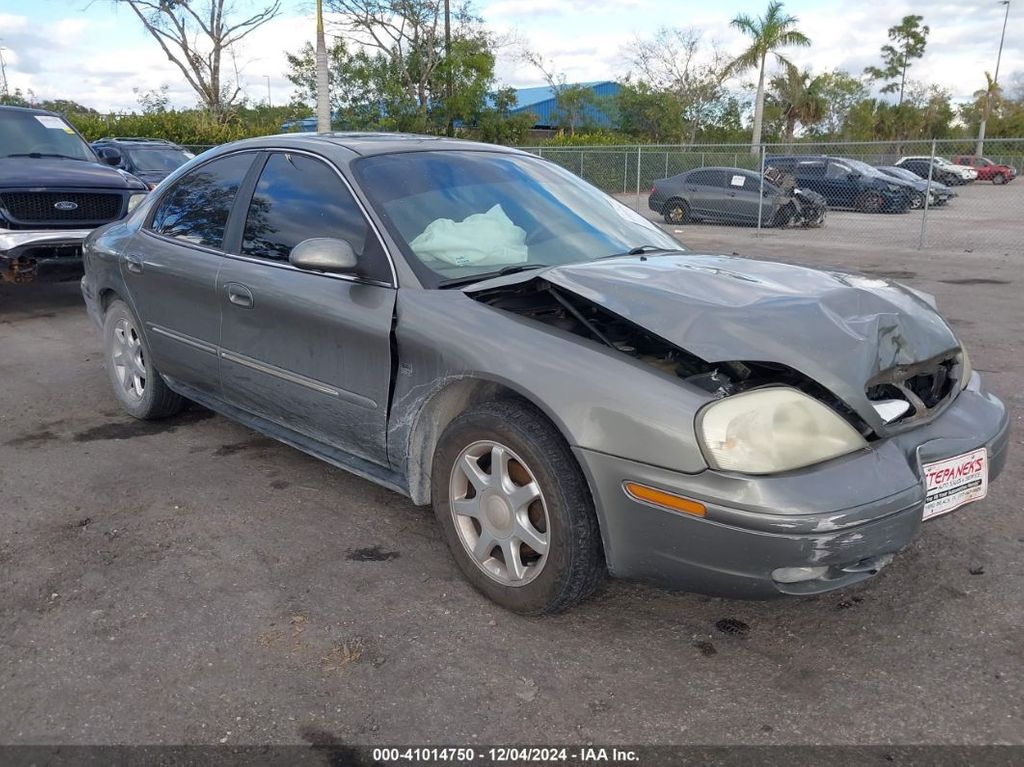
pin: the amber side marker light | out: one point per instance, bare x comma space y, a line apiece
665, 500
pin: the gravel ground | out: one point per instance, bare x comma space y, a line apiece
191, 581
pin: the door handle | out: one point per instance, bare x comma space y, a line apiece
732, 194
239, 295
134, 263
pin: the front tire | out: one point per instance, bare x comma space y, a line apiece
515, 509
136, 382
999, 179
917, 201
870, 201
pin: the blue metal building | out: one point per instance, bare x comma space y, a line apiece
540, 101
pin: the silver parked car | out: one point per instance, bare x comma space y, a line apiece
573, 392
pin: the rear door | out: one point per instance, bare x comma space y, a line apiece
308, 350
171, 265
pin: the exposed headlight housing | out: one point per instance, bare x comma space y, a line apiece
134, 199
965, 368
893, 187
771, 430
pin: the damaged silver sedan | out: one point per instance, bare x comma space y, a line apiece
574, 394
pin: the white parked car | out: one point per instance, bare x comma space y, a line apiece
943, 170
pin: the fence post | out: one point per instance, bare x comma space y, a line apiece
638, 149
760, 201
581, 163
927, 197
666, 163
625, 172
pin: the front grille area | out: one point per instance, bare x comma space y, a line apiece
925, 386
40, 207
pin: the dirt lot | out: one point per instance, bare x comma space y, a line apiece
191, 581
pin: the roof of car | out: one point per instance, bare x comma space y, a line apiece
27, 110
367, 143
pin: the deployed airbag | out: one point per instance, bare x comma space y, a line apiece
481, 239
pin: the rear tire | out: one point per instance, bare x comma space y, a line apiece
507, 489
676, 211
135, 380
870, 201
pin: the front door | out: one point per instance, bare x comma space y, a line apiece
308, 350
170, 268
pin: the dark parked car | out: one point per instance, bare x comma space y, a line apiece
941, 170
149, 159
940, 193
996, 172
732, 195
574, 393
54, 191
846, 183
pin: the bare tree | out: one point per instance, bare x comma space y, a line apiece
572, 101
198, 36
409, 32
674, 61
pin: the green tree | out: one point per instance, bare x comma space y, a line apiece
798, 97
644, 112
840, 92
909, 38
767, 35
498, 124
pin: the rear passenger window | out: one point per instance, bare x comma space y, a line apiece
707, 178
196, 208
299, 197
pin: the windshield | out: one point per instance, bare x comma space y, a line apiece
163, 160
863, 168
903, 173
25, 133
457, 214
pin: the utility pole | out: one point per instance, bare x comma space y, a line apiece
3, 73
323, 96
450, 127
269, 102
979, 150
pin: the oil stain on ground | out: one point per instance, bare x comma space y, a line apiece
34, 439
255, 443
135, 428
372, 554
976, 281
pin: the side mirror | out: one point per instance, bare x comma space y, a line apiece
324, 254
110, 155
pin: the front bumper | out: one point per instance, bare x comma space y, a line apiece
850, 514
45, 254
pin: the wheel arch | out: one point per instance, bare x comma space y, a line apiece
441, 406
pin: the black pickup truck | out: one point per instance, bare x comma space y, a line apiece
54, 190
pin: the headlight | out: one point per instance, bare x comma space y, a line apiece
892, 187
772, 430
965, 367
134, 199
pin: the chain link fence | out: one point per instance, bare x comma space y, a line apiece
884, 194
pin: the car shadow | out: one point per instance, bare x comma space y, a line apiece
38, 300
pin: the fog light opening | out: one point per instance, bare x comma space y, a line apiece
798, 574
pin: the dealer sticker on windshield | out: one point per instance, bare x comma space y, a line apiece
955, 481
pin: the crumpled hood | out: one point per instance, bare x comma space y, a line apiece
839, 329
55, 173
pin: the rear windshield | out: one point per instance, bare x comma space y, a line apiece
29, 135
159, 159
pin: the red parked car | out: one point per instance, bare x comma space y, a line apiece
987, 170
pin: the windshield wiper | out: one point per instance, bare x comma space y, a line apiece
469, 278
45, 154
641, 250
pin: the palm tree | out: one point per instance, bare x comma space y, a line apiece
768, 33
799, 97
323, 96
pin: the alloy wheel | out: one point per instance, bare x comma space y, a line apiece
128, 360
500, 513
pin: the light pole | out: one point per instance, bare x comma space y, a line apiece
3, 73
269, 103
979, 150
323, 96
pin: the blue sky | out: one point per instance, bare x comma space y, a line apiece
97, 53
